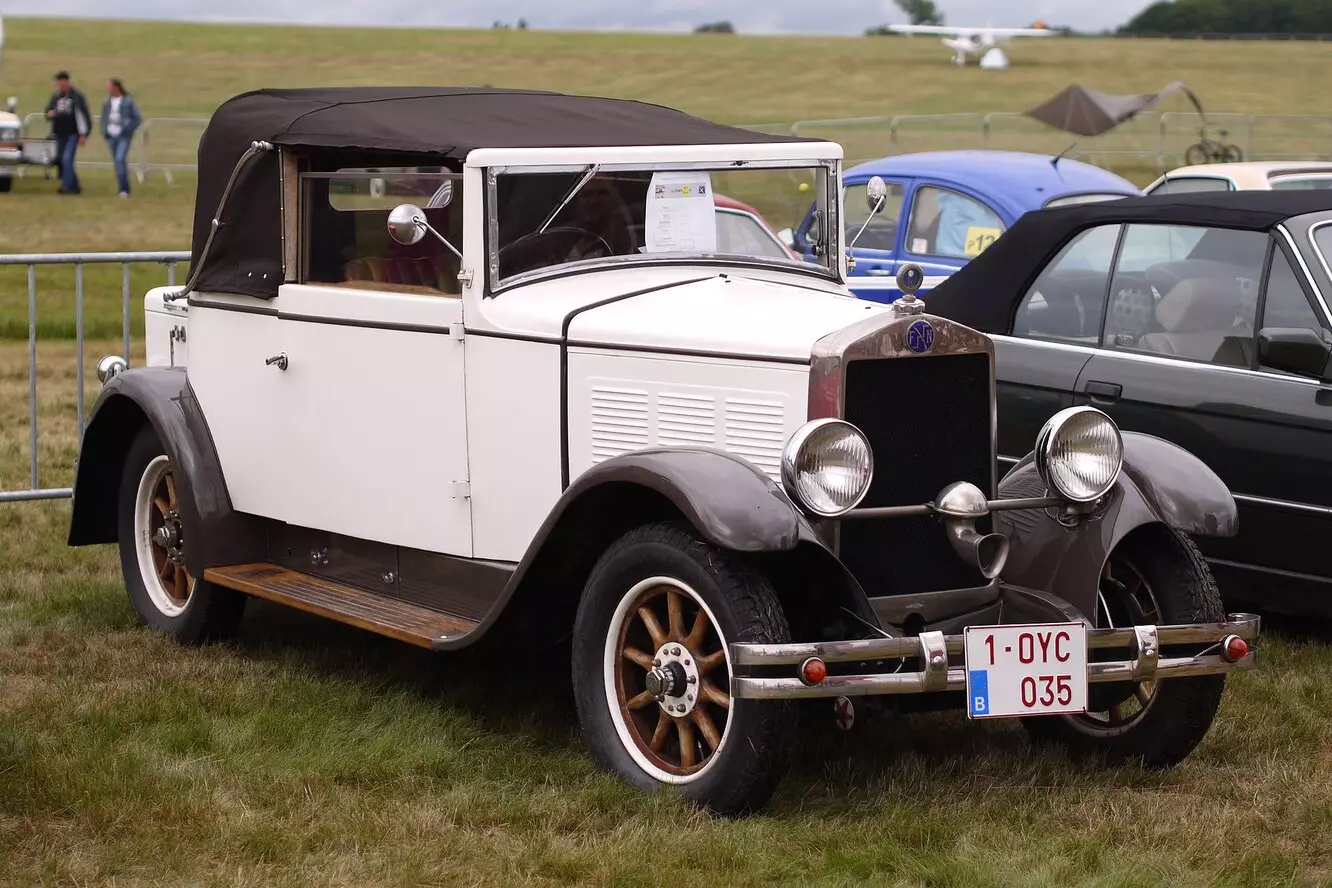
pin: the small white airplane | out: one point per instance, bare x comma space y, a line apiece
971, 41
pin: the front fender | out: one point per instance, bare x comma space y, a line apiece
1160, 483
160, 397
728, 501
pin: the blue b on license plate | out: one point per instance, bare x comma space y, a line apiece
1037, 669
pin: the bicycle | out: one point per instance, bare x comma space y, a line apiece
1207, 150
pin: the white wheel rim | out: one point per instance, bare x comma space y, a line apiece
145, 508
612, 655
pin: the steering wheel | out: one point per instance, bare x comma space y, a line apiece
534, 241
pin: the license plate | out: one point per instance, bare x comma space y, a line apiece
1038, 669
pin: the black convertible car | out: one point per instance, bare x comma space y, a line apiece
1199, 318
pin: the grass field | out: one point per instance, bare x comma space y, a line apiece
308, 753
186, 70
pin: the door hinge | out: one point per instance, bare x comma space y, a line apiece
465, 276
457, 331
461, 490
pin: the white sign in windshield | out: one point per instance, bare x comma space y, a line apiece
680, 216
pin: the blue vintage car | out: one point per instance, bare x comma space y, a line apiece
944, 207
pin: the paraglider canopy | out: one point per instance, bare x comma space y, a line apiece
1090, 112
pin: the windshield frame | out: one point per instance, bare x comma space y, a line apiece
828, 196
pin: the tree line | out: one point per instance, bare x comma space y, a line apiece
1233, 17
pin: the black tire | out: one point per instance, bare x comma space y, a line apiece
1180, 711
744, 768
1196, 154
6, 183
209, 612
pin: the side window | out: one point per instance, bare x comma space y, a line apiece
881, 233
946, 223
1187, 292
344, 229
1067, 300
1192, 185
1285, 303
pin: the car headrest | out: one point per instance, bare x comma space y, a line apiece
1196, 305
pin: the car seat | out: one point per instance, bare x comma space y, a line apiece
1197, 317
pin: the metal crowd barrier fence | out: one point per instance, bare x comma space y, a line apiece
78, 260
165, 145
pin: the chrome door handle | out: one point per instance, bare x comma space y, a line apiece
279, 359
878, 272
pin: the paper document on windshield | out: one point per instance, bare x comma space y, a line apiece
680, 217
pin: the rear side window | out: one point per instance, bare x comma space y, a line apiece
947, 223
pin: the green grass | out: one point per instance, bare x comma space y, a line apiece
185, 70
308, 753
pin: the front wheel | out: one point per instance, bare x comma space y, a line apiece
1196, 154
1158, 576
651, 671
164, 594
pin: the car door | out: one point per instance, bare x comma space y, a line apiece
945, 228
1189, 372
377, 420
1055, 333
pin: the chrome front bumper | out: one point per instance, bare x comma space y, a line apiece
934, 672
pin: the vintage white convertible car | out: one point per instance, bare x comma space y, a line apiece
466, 363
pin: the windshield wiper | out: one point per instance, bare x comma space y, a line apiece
587, 174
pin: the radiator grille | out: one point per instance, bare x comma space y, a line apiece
928, 423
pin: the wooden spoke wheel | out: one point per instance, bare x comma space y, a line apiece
667, 661
160, 539
651, 673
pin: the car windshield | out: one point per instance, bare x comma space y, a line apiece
545, 220
1069, 200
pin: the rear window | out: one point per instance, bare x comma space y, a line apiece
1069, 200
1192, 185
1302, 183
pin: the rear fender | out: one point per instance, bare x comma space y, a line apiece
160, 398
1161, 483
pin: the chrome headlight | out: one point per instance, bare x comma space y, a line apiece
1079, 453
827, 467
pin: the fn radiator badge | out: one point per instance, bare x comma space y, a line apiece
920, 336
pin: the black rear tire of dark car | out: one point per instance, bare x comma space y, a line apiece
662, 597
164, 594
1156, 575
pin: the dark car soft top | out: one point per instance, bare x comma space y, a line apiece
984, 294
421, 124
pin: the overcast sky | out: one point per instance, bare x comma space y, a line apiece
748, 16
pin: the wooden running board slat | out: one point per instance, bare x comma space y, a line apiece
326, 598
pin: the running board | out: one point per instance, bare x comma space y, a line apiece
366, 610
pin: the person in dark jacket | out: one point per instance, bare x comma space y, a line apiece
120, 118
71, 123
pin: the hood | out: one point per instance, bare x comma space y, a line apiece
722, 314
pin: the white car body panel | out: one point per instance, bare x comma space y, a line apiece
621, 402
166, 326
722, 314
513, 432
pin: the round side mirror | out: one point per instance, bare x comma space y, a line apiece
876, 194
406, 224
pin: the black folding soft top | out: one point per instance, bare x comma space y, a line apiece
985, 293
440, 123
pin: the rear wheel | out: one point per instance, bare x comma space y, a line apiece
164, 594
1232, 154
1156, 576
1197, 153
651, 670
